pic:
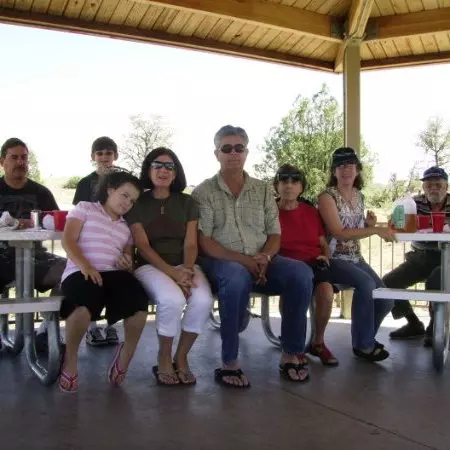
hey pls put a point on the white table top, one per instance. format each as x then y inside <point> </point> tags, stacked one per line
<point>30,235</point>
<point>423,237</point>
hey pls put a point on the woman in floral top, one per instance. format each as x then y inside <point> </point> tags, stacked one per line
<point>341,207</point>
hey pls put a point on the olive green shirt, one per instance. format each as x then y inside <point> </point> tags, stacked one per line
<point>241,224</point>
<point>165,222</point>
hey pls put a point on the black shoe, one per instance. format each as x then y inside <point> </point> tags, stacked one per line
<point>409,331</point>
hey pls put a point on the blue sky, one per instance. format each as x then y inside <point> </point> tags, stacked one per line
<point>59,91</point>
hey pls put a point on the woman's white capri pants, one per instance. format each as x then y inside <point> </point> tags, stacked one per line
<point>171,301</point>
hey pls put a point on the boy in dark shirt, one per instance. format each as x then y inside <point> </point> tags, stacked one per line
<point>103,154</point>
<point>19,196</point>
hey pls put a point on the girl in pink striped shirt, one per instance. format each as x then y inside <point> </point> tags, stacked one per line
<point>98,274</point>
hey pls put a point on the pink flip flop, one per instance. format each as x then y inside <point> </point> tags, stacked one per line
<point>116,375</point>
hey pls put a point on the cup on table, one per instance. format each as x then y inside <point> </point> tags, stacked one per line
<point>60,219</point>
<point>438,221</point>
<point>423,222</point>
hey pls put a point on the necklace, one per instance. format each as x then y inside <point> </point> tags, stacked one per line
<point>163,203</point>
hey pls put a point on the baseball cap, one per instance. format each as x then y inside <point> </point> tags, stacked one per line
<point>434,172</point>
<point>344,155</point>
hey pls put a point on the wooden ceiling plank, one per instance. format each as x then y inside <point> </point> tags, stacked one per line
<point>121,12</point>
<point>415,6</point>
<point>366,54</point>
<point>416,45</point>
<point>385,8</point>
<point>377,50</point>
<point>311,47</point>
<point>164,19</point>
<point>279,16</point>
<point>219,29</point>
<point>8,4</point>
<point>278,42</point>
<point>106,10</point>
<point>192,25</point>
<point>327,7</point>
<point>330,54</point>
<point>289,43</point>
<point>389,48</point>
<point>90,9</point>
<point>442,42</point>
<point>403,47</point>
<point>57,7</point>
<point>179,22</point>
<point>413,24</point>
<point>429,43</point>
<point>41,6</point>
<point>205,27</point>
<point>74,8</point>
<point>405,61</point>
<point>23,5</point>
<point>375,10</point>
<point>267,39</point>
<point>233,31</point>
<point>136,14</point>
<point>400,6</point>
<point>357,20</point>
<point>243,34</point>
<point>430,4</point>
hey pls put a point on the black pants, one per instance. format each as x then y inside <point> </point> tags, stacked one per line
<point>418,267</point>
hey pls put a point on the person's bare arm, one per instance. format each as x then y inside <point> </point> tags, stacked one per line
<point>324,247</point>
<point>190,245</point>
<point>330,217</point>
<point>70,245</point>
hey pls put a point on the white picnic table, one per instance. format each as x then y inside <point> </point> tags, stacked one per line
<point>26,304</point>
<point>440,299</point>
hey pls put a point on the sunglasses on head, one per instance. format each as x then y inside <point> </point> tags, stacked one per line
<point>160,164</point>
<point>294,177</point>
<point>228,148</point>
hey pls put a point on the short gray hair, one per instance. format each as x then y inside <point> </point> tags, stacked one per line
<point>230,130</point>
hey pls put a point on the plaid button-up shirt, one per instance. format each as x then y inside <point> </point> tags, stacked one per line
<point>241,224</point>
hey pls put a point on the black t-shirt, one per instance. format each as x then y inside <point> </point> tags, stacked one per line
<point>165,222</point>
<point>86,189</point>
<point>20,202</point>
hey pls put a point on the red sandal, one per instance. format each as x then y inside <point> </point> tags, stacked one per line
<point>322,351</point>
<point>116,375</point>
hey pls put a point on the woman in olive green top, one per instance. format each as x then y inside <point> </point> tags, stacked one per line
<point>164,227</point>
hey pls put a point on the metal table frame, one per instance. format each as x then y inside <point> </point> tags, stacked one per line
<point>24,243</point>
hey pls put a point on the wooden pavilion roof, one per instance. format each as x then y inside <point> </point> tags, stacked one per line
<point>307,33</point>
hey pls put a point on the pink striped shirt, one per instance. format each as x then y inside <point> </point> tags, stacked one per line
<point>101,239</point>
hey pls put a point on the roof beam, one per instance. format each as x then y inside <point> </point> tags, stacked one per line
<point>279,16</point>
<point>356,24</point>
<point>15,17</point>
<point>412,24</point>
<point>405,61</point>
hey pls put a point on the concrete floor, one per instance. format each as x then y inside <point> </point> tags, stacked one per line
<point>398,404</point>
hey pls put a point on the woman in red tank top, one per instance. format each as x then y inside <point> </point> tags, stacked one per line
<point>303,238</point>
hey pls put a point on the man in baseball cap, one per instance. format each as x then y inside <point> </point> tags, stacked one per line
<point>422,263</point>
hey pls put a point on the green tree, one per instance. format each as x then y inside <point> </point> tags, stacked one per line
<point>72,182</point>
<point>147,133</point>
<point>435,140</point>
<point>33,168</point>
<point>306,137</point>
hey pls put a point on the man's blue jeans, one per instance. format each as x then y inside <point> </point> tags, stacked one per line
<point>367,313</point>
<point>233,282</point>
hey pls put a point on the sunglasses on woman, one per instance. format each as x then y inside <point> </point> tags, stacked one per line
<point>228,148</point>
<point>160,164</point>
<point>294,177</point>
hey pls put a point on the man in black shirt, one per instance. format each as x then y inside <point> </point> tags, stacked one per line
<point>19,196</point>
<point>103,154</point>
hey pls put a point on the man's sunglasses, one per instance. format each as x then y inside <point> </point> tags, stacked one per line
<point>294,177</point>
<point>228,148</point>
<point>160,164</point>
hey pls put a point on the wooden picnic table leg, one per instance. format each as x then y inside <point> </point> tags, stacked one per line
<point>441,312</point>
<point>49,374</point>
<point>14,344</point>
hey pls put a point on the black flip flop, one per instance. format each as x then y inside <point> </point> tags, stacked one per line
<point>286,367</point>
<point>377,354</point>
<point>220,373</point>
<point>157,374</point>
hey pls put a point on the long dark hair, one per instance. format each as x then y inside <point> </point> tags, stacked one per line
<point>178,185</point>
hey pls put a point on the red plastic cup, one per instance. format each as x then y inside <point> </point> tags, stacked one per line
<point>438,221</point>
<point>423,222</point>
<point>60,219</point>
